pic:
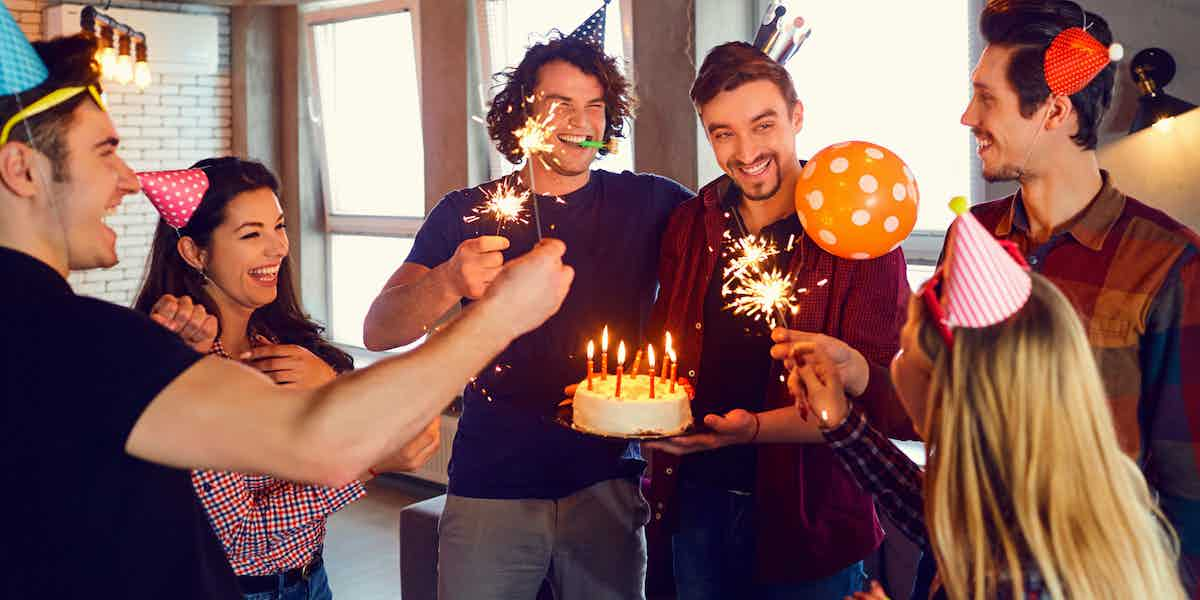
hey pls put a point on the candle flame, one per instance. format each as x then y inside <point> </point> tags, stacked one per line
<point>765,296</point>
<point>591,349</point>
<point>504,204</point>
<point>824,415</point>
<point>604,340</point>
<point>668,345</point>
<point>650,357</point>
<point>621,353</point>
<point>671,353</point>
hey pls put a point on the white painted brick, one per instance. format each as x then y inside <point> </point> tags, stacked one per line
<point>166,90</point>
<point>160,132</point>
<point>122,285</point>
<point>113,98</point>
<point>123,109</point>
<point>197,111</point>
<point>95,290</point>
<point>197,90</point>
<point>164,111</point>
<point>179,101</point>
<point>162,154</point>
<point>173,79</point>
<point>198,133</point>
<point>146,98</point>
<point>214,80</point>
<point>141,121</point>
<point>140,144</point>
<point>102,275</point>
<point>129,154</point>
<point>179,122</point>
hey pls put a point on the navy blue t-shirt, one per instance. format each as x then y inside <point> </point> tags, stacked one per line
<point>508,445</point>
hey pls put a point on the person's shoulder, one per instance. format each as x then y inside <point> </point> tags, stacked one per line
<point>1162,224</point>
<point>657,186</point>
<point>118,326</point>
<point>990,212</point>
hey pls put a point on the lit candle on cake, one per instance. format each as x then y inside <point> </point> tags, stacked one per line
<point>667,359</point>
<point>671,354</point>
<point>650,361</point>
<point>604,355</point>
<point>591,364</point>
<point>620,365</point>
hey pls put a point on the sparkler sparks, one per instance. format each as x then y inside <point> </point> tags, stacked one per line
<point>505,204</point>
<point>765,296</point>
<point>747,255</point>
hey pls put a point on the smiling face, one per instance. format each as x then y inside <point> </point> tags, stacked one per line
<point>753,136</point>
<point>245,251</point>
<point>1002,134</point>
<point>96,180</point>
<point>577,102</point>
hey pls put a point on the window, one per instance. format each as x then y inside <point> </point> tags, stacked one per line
<point>508,27</point>
<point>371,148</point>
<point>898,74</point>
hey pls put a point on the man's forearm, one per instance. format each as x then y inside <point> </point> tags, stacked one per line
<point>784,425</point>
<point>402,313</point>
<point>369,414</point>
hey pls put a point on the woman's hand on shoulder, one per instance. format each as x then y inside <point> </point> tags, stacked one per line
<point>188,319</point>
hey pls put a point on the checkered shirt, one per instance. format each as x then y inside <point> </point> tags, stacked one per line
<point>267,525</point>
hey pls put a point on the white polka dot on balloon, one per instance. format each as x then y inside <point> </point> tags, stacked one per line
<point>860,217</point>
<point>816,199</point>
<point>809,169</point>
<point>827,237</point>
<point>891,224</point>
<point>875,153</point>
<point>839,165</point>
<point>868,184</point>
<point>908,173</point>
<point>899,192</point>
<point>860,255</point>
<point>841,145</point>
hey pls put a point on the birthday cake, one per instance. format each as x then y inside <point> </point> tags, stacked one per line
<point>635,413</point>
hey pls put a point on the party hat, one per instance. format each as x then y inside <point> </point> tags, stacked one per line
<point>21,69</point>
<point>984,282</point>
<point>175,194</point>
<point>592,30</point>
<point>1075,58</point>
<point>780,35</point>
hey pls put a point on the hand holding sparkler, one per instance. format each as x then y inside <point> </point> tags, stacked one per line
<point>475,264</point>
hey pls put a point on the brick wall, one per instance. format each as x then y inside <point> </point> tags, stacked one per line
<point>178,120</point>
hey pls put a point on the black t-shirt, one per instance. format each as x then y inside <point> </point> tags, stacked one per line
<point>83,517</point>
<point>735,363</point>
<point>507,446</point>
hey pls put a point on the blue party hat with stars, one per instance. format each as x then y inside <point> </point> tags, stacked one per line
<point>592,30</point>
<point>20,67</point>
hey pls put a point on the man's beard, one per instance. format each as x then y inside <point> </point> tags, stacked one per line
<point>773,188</point>
<point>1005,173</point>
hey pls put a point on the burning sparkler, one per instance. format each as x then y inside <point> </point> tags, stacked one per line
<point>748,254</point>
<point>764,295</point>
<point>505,204</point>
<point>534,137</point>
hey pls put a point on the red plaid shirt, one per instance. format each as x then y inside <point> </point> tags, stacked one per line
<point>812,519</point>
<point>1133,275</point>
<point>267,525</point>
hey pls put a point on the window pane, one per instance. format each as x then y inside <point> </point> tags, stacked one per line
<point>359,266</point>
<point>514,25</point>
<point>375,157</point>
<point>897,74</point>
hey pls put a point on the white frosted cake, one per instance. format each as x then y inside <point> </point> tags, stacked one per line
<point>633,414</point>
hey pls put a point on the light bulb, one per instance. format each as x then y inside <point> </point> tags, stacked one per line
<point>123,72</point>
<point>141,74</point>
<point>108,62</point>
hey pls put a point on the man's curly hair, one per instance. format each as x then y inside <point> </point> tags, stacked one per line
<point>509,110</point>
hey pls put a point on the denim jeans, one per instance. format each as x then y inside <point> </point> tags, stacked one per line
<point>316,587</point>
<point>713,553</point>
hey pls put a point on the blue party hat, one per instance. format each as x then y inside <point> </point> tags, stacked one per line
<point>20,67</point>
<point>592,30</point>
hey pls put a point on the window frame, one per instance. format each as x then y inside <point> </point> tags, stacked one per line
<point>358,224</point>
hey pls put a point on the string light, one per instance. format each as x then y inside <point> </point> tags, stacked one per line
<point>119,60</point>
<point>123,72</point>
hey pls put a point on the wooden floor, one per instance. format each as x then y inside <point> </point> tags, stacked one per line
<point>362,551</point>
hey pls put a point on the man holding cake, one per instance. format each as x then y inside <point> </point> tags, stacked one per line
<point>747,503</point>
<point>526,493</point>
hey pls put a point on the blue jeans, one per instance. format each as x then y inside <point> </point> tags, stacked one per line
<point>713,553</point>
<point>316,587</point>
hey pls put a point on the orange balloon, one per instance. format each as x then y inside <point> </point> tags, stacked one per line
<point>857,200</point>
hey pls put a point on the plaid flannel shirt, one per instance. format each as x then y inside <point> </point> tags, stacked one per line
<point>267,525</point>
<point>1133,275</point>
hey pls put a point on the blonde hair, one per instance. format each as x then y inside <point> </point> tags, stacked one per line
<point>1024,468</point>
